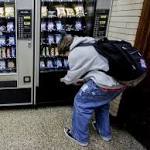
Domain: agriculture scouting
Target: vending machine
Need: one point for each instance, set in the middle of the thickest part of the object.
(53, 18)
(16, 52)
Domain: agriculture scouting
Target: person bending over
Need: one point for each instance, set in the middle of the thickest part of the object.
(96, 93)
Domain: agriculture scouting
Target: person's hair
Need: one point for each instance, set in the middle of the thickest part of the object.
(65, 43)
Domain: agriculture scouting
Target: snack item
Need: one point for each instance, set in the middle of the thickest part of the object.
(47, 52)
(11, 65)
(52, 13)
(43, 52)
(50, 64)
(43, 40)
(56, 52)
(78, 25)
(43, 26)
(2, 28)
(69, 27)
(8, 52)
(1, 11)
(61, 12)
(3, 52)
(52, 51)
(58, 38)
(59, 26)
(51, 39)
(44, 11)
(2, 41)
(13, 52)
(10, 26)
(58, 63)
(2, 65)
(70, 12)
(0, 52)
(11, 40)
(79, 10)
(51, 26)
(66, 64)
(9, 11)
(42, 64)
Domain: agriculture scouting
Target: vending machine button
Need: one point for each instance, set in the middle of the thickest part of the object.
(27, 79)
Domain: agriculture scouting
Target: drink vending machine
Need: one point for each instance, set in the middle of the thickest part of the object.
(16, 52)
(54, 17)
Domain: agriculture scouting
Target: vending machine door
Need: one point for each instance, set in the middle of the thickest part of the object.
(16, 52)
(75, 17)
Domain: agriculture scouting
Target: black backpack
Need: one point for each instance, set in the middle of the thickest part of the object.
(125, 62)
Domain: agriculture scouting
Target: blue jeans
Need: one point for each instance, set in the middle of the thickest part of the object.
(88, 100)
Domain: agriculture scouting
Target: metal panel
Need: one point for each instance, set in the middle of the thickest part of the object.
(37, 46)
(37, 40)
(103, 4)
(25, 49)
(15, 96)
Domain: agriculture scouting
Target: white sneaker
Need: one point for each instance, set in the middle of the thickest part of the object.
(68, 135)
(94, 125)
(107, 139)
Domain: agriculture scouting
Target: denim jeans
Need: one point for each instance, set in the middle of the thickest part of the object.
(91, 98)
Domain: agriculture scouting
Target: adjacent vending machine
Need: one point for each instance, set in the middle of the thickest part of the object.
(16, 52)
(53, 18)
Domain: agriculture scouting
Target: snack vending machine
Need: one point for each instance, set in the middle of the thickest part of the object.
(16, 52)
(53, 18)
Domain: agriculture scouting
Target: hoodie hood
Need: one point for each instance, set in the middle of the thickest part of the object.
(78, 40)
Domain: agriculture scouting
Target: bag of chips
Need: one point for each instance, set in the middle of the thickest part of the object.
(2, 41)
(52, 13)
(61, 12)
(70, 12)
(51, 39)
(2, 65)
(42, 64)
(59, 26)
(10, 26)
(43, 26)
(9, 11)
(78, 26)
(43, 11)
(1, 11)
(58, 38)
(51, 26)
(79, 10)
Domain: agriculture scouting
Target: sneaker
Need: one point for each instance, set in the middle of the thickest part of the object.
(94, 125)
(68, 135)
(107, 139)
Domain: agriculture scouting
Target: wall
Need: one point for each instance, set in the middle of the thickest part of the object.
(124, 19)
(123, 24)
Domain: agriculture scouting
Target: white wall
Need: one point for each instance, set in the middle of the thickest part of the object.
(124, 19)
(123, 24)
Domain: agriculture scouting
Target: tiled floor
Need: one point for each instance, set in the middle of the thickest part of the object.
(42, 129)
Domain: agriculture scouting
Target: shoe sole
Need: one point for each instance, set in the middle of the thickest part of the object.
(74, 140)
(104, 138)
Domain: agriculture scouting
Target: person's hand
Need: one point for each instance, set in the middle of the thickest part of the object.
(61, 79)
(79, 82)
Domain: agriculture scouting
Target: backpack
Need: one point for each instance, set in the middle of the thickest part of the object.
(125, 62)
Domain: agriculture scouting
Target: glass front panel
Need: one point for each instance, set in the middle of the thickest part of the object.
(59, 17)
(7, 36)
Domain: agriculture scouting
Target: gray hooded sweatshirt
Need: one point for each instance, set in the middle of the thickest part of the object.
(86, 59)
